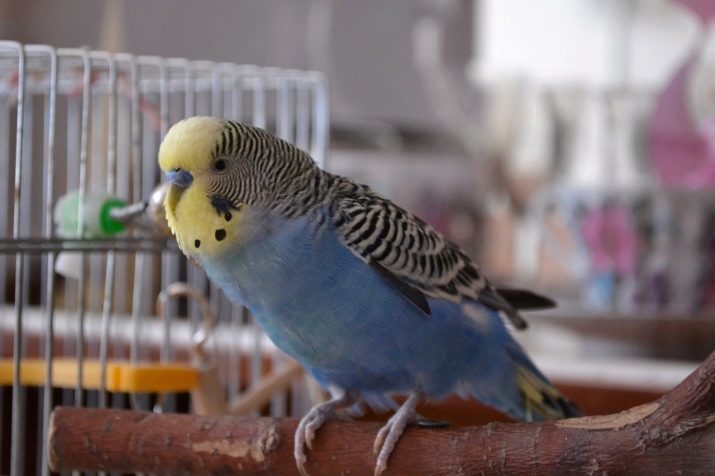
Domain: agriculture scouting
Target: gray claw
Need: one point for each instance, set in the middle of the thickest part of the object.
(309, 425)
(390, 434)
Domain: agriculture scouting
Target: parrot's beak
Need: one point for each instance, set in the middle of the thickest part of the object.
(179, 177)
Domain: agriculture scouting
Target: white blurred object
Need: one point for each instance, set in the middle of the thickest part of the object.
(700, 93)
(502, 103)
(587, 163)
(627, 173)
(580, 41)
(623, 372)
(533, 151)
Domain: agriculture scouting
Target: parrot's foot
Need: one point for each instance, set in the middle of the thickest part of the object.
(311, 422)
(389, 434)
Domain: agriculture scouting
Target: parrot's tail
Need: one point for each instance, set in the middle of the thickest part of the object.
(541, 399)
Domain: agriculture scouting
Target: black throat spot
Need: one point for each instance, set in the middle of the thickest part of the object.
(223, 206)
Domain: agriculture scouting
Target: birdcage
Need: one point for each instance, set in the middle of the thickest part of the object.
(98, 306)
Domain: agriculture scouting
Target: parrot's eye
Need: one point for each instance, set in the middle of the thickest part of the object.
(220, 165)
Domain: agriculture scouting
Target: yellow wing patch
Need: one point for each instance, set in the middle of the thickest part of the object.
(199, 229)
(535, 392)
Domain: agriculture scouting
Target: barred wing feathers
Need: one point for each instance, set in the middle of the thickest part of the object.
(414, 258)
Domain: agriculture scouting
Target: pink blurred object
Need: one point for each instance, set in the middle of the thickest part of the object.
(683, 152)
(704, 9)
(611, 240)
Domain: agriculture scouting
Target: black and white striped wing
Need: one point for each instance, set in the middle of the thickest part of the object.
(411, 255)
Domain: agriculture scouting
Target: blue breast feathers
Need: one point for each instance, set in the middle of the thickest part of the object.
(328, 309)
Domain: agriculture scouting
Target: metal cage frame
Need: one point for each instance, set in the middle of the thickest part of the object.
(103, 117)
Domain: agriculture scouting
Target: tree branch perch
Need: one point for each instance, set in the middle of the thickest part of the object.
(673, 434)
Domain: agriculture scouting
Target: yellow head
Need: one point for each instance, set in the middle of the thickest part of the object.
(219, 171)
(189, 144)
(203, 215)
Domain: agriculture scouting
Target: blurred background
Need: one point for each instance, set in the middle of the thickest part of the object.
(568, 145)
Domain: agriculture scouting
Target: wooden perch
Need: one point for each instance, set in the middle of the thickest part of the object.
(675, 434)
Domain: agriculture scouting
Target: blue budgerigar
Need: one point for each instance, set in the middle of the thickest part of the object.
(371, 300)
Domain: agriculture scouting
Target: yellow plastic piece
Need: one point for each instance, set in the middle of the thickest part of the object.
(121, 376)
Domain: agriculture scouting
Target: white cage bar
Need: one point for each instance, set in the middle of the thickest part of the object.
(91, 122)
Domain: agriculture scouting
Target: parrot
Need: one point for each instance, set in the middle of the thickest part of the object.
(372, 301)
